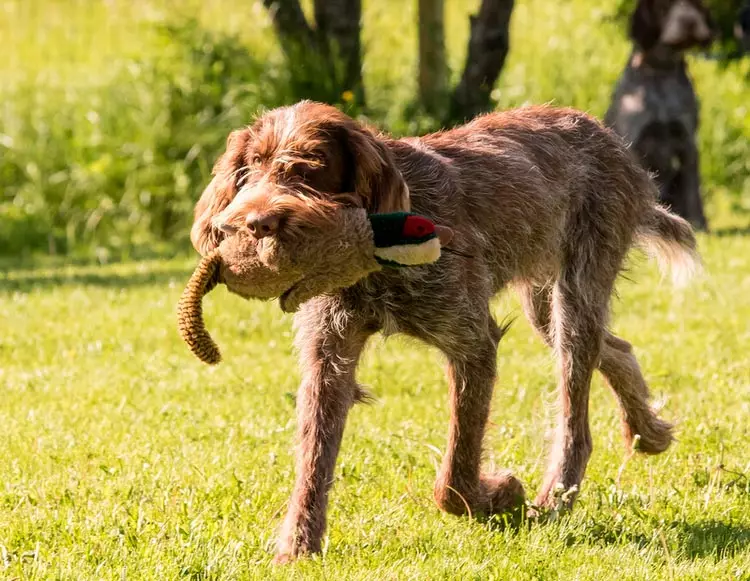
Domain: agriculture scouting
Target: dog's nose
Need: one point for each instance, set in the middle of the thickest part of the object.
(262, 225)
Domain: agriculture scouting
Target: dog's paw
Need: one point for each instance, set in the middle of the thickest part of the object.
(498, 493)
(653, 436)
(296, 541)
(554, 501)
(283, 559)
(502, 493)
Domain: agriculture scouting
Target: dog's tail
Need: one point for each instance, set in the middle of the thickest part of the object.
(670, 240)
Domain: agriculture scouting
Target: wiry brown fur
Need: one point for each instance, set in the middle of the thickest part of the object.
(654, 106)
(541, 199)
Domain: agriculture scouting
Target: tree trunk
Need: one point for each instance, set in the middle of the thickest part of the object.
(433, 70)
(338, 23)
(309, 69)
(291, 26)
(325, 61)
(488, 47)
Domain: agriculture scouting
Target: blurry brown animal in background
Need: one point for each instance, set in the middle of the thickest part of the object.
(654, 106)
(541, 199)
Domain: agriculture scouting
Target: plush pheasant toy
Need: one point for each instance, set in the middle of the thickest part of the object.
(405, 239)
(321, 261)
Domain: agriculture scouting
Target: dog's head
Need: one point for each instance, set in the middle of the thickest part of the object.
(293, 168)
(679, 24)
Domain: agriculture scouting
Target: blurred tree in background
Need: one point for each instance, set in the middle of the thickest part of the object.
(326, 57)
(489, 42)
(488, 46)
(433, 70)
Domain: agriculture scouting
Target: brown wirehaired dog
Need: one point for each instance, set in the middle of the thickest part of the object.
(654, 106)
(545, 200)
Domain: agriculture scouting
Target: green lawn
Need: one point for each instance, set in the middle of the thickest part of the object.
(125, 458)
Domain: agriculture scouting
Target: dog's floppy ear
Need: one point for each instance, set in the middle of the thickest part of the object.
(646, 23)
(377, 180)
(218, 194)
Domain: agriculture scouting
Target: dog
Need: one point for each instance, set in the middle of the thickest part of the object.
(654, 105)
(541, 199)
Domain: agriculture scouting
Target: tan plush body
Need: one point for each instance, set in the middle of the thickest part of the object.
(317, 261)
(297, 269)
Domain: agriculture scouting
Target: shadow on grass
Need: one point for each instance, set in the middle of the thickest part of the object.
(727, 232)
(687, 540)
(30, 281)
(702, 539)
(512, 520)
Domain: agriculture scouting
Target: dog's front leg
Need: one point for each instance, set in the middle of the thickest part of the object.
(460, 487)
(330, 341)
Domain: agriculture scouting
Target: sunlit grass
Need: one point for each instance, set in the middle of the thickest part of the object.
(109, 123)
(123, 457)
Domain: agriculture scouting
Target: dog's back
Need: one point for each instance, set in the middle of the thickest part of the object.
(521, 186)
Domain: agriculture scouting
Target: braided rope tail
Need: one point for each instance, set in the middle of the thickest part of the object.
(190, 310)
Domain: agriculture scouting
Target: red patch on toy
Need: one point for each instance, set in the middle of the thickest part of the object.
(417, 227)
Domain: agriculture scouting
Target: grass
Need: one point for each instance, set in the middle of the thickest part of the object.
(125, 458)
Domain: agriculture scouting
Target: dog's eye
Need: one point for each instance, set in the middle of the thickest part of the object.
(306, 167)
(241, 176)
(256, 160)
(302, 170)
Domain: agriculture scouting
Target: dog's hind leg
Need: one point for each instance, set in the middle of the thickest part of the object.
(623, 375)
(578, 319)
(620, 369)
(460, 488)
(571, 316)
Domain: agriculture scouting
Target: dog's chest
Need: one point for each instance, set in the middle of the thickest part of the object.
(423, 302)
(665, 99)
(671, 98)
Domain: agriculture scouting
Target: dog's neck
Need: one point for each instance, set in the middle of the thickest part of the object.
(658, 59)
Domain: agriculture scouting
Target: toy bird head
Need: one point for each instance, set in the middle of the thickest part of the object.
(406, 239)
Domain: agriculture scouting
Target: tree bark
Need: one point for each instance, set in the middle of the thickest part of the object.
(433, 70)
(325, 60)
(338, 23)
(291, 26)
(488, 47)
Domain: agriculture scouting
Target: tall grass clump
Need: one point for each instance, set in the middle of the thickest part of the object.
(113, 164)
